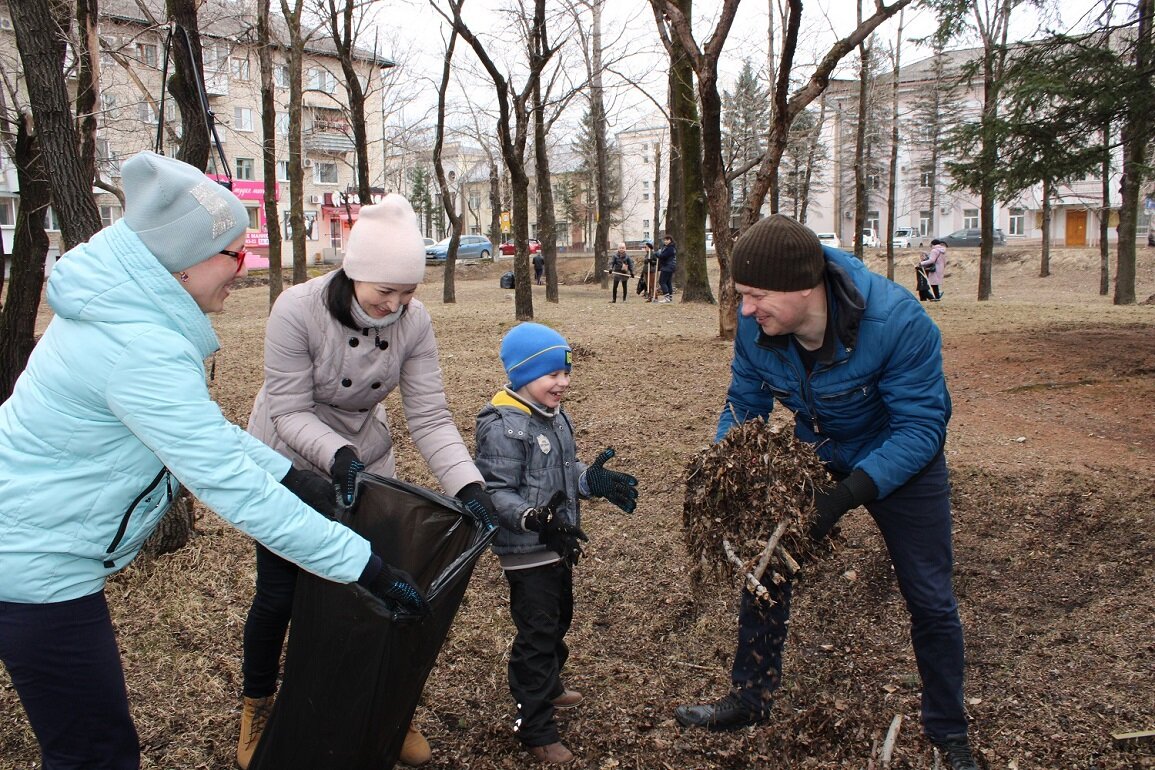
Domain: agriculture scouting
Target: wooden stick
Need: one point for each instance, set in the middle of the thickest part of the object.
(891, 737)
(791, 565)
(753, 585)
(771, 544)
(1131, 740)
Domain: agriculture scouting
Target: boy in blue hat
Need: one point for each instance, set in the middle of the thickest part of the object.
(527, 454)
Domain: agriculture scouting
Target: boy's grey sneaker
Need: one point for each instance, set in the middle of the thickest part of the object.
(956, 750)
(727, 713)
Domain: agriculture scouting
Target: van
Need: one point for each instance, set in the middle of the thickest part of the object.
(903, 237)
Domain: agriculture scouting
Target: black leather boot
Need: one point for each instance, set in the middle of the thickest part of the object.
(956, 750)
(726, 713)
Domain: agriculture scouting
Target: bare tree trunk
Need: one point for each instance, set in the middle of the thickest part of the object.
(195, 148)
(546, 219)
(601, 149)
(341, 28)
(495, 207)
(892, 171)
(87, 83)
(39, 26)
(675, 209)
(1105, 216)
(448, 199)
(864, 53)
(1048, 209)
(296, 149)
(29, 250)
(1136, 132)
(657, 215)
(269, 150)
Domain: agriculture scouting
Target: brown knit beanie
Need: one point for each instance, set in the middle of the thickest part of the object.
(778, 254)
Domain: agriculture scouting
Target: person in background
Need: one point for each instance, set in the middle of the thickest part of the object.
(110, 415)
(667, 264)
(538, 267)
(335, 347)
(622, 270)
(859, 363)
(934, 265)
(647, 283)
(526, 450)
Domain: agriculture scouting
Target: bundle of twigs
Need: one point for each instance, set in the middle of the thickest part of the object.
(749, 503)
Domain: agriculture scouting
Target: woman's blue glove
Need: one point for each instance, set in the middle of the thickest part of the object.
(478, 502)
(621, 489)
(346, 465)
(393, 586)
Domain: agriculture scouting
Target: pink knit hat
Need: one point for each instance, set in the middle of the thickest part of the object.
(385, 244)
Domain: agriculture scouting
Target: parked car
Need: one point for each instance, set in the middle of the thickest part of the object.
(903, 237)
(509, 248)
(870, 238)
(829, 239)
(470, 247)
(429, 242)
(972, 237)
(710, 243)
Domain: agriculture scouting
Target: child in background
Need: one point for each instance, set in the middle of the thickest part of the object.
(527, 454)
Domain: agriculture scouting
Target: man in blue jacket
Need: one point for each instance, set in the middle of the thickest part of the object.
(859, 363)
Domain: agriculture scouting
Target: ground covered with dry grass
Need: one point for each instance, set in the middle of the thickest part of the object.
(1052, 451)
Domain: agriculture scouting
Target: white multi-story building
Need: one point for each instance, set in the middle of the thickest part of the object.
(131, 74)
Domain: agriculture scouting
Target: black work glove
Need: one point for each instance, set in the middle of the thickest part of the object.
(832, 503)
(313, 489)
(346, 465)
(563, 539)
(621, 489)
(478, 502)
(393, 586)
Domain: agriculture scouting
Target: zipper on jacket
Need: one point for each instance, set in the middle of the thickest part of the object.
(109, 563)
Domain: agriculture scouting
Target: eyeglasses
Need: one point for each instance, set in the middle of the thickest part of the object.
(239, 256)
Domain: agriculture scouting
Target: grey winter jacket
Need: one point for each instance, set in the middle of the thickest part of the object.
(526, 455)
(324, 384)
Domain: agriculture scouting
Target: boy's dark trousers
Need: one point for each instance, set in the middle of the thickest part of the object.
(541, 604)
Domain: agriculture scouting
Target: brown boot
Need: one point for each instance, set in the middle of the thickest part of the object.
(415, 751)
(568, 699)
(553, 754)
(254, 717)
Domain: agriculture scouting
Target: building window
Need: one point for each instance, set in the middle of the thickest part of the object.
(872, 220)
(475, 202)
(50, 221)
(282, 121)
(335, 238)
(924, 218)
(8, 212)
(926, 179)
(109, 215)
(254, 213)
(108, 107)
(242, 119)
(970, 219)
(246, 169)
(325, 172)
(240, 68)
(146, 113)
(646, 224)
(873, 181)
(645, 191)
(146, 53)
(1017, 223)
(282, 170)
(281, 76)
(322, 80)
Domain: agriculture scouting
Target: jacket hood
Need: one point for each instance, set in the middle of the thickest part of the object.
(114, 278)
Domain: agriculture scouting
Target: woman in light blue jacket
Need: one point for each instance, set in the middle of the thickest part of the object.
(110, 415)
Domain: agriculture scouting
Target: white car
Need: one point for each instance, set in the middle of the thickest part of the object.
(902, 237)
(829, 239)
(870, 238)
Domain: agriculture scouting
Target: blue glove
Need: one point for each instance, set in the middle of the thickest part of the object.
(621, 489)
(346, 465)
(393, 586)
(478, 502)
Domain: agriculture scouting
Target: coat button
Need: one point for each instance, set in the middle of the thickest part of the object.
(346, 382)
(375, 385)
(383, 344)
(354, 342)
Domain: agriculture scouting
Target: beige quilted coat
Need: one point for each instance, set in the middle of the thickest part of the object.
(324, 384)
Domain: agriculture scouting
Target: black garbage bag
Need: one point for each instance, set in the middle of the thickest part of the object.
(355, 666)
(507, 280)
(923, 285)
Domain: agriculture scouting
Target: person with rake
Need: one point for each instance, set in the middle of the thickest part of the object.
(527, 453)
(858, 361)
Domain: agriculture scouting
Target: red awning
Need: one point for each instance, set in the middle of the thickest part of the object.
(347, 213)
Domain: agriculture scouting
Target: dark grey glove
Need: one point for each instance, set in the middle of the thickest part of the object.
(346, 465)
(313, 489)
(563, 539)
(621, 489)
(393, 586)
(832, 503)
(478, 502)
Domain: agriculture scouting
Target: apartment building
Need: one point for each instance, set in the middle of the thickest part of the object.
(130, 113)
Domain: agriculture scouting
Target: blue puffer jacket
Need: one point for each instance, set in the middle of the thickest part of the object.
(881, 405)
(111, 407)
(526, 456)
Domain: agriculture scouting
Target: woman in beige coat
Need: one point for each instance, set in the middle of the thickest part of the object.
(335, 347)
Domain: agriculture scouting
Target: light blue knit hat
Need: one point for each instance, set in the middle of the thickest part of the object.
(531, 350)
(182, 216)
